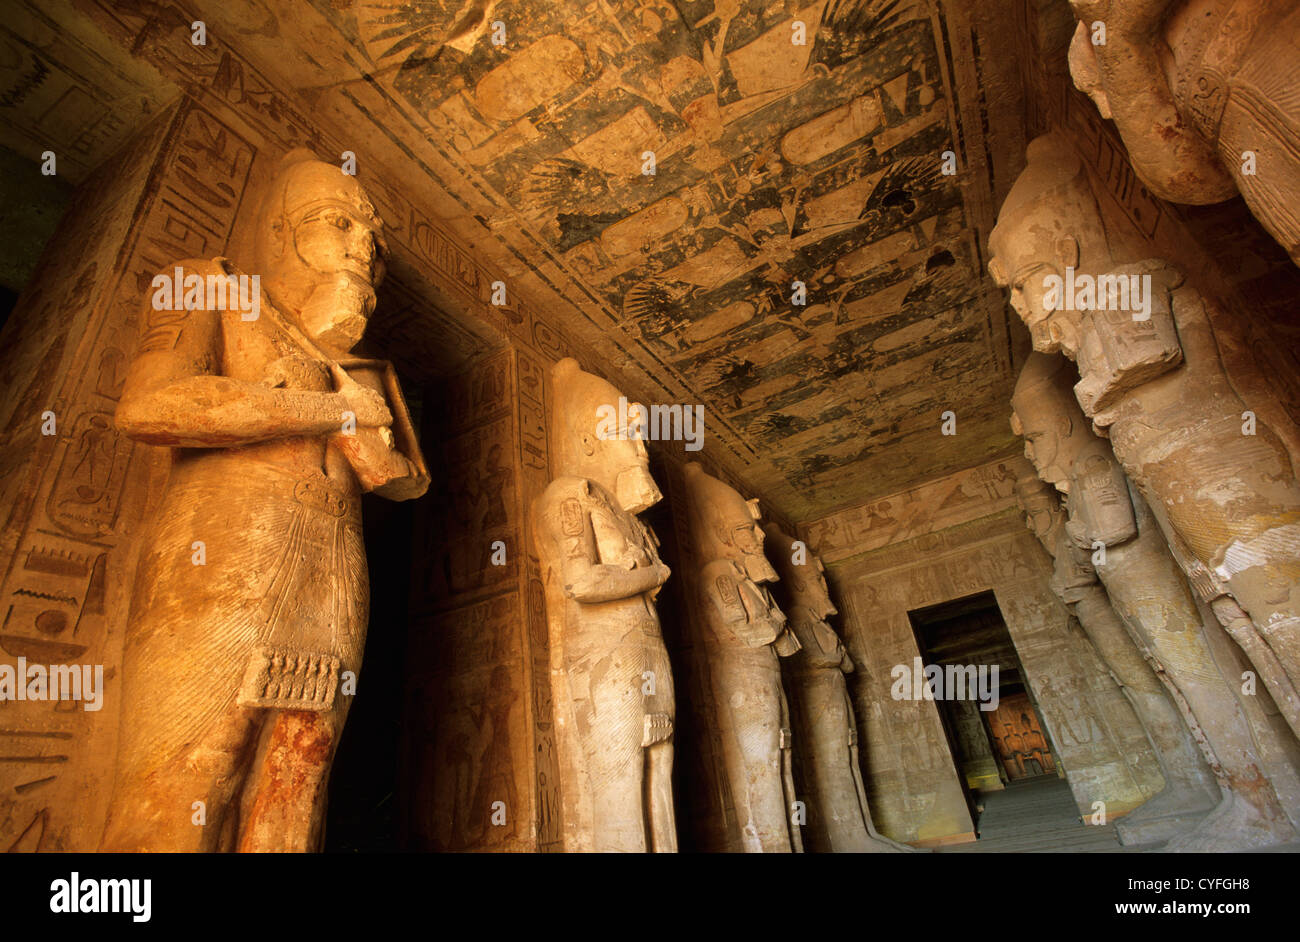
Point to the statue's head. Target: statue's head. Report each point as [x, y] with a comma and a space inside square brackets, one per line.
[802, 573]
[320, 249]
[1045, 414]
[1069, 455]
[1044, 514]
[724, 525]
[1048, 223]
[583, 446]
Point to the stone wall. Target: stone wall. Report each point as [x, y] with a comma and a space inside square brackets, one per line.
[913, 781]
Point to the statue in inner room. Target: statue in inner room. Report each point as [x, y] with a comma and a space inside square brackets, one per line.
[610, 677]
[1149, 594]
[1203, 94]
[839, 818]
[745, 633]
[252, 597]
[1219, 482]
[1190, 790]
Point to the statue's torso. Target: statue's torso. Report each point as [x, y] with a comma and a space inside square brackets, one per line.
[579, 516]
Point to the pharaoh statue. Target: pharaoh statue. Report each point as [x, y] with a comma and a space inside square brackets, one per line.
[744, 634]
[1203, 94]
[252, 596]
[1151, 597]
[839, 818]
[610, 678]
[1219, 483]
[1190, 790]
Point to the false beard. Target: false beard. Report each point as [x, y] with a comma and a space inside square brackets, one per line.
[336, 312]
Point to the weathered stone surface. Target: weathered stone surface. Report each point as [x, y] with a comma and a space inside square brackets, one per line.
[1190, 790]
[706, 211]
[1220, 483]
[1203, 94]
[744, 634]
[1149, 593]
[252, 601]
[826, 733]
[611, 680]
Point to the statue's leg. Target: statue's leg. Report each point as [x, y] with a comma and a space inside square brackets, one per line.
[787, 772]
[750, 717]
[184, 746]
[616, 761]
[288, 788]
[175, 796]
[663, 819]
[1240, 628]
[661, 706]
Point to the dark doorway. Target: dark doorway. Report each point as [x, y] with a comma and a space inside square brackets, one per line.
[991, 746]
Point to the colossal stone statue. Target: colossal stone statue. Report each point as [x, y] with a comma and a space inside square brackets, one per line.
[1190, 790]
[1203, 94]
[610, 677]
[252, 597]
[1219, 482]
[1150, 595]
[826, 733]
[745, 632]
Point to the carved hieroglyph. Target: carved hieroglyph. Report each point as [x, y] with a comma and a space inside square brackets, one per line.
[1203, 94]
[1190, 790]
[1150, 595]
[826, 733]
[252, 597]
[1219, 482]
[745, 631]
[611, 680]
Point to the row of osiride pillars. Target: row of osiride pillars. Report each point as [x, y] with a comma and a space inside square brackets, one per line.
[1173, 524]
[612, 682]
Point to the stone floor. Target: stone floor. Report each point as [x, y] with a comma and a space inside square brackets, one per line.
[1037, 816]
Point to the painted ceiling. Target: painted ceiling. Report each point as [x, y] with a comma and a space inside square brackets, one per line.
[687, 166]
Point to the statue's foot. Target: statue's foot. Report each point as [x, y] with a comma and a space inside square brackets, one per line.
[1235, 825]
[1172, 812]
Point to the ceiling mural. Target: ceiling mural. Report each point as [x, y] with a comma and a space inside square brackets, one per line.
[689, 165]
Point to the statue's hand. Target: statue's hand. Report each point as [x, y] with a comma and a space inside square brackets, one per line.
[366, 404]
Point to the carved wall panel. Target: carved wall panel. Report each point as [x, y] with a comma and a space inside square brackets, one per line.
[912, 779]
[74, 505]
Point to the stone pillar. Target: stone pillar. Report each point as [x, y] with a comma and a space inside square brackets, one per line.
[1190, 791]
[826, 731]
[480, 770]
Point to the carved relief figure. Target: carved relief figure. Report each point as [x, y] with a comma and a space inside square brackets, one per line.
[1224, 493]
[1190, 790]
[1202, 92]
[1151, 597]
[745, 632]
[252, 597]
[826, 733]
[611, 679]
